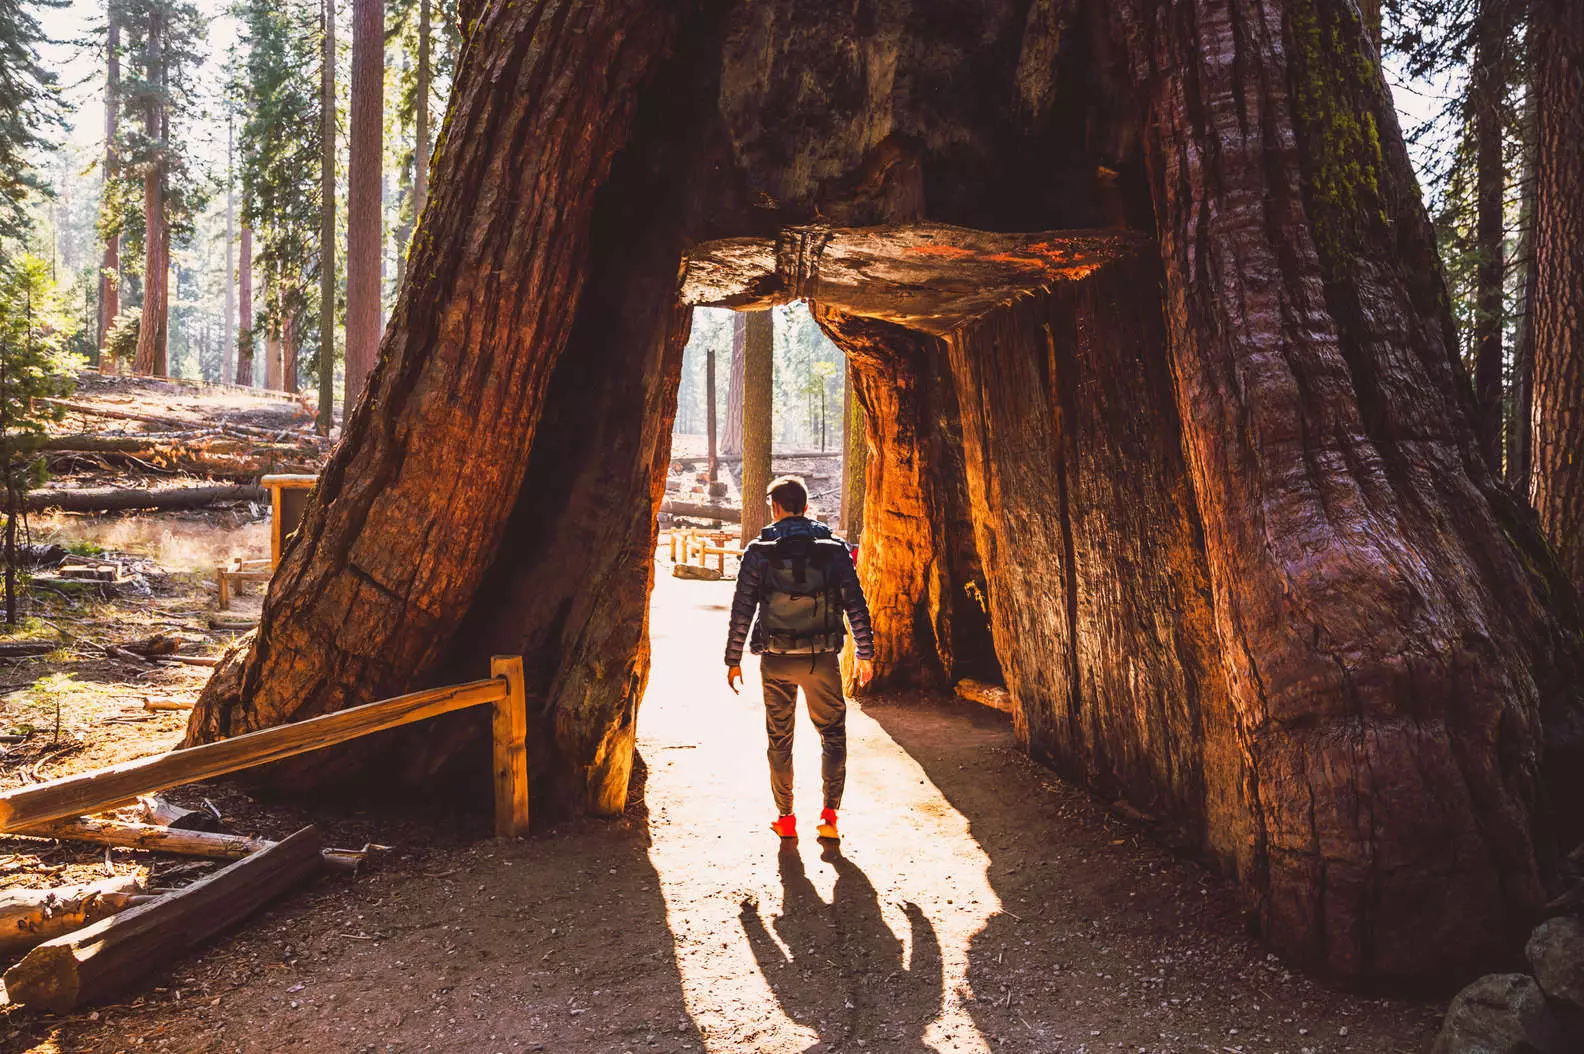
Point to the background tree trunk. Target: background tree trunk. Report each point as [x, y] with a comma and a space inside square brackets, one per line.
[327, 221]
[289, 343]
[421, 144]
[1488, 77]
[227, 342]
[731, 431]
[156, 244]
[757, 419]
[110, 264]
[1558, 306]
[855, 459]
[363, 196]
[244, 368]
[710, 415]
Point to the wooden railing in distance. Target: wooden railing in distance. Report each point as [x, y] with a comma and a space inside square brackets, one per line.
[90, 792]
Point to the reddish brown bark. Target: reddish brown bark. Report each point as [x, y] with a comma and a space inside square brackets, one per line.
[364, 158]
[1558, 304]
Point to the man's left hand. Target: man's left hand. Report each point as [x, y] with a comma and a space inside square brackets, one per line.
[734, 679]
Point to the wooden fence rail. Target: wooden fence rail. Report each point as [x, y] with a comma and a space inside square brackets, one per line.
[101, 789]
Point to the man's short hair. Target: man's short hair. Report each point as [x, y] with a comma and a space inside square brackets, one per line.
[790, 493]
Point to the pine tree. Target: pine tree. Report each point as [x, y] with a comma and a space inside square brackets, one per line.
[28, 108]
[280, 170]
[364, 195]
[33, 330]
[161, 38]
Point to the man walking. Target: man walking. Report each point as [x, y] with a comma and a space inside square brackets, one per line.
[801, 581]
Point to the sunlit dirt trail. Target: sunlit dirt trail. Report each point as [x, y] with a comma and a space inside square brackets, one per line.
[977, 904]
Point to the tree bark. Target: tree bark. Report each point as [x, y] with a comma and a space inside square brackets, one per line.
[289, 342]
[156, 239]
[1359, 555]
[244, 368]
[364, 187]
[1487, 86]
[110, 263]
[731, 430]
[327, 220]
[1558, 261]
[757, 419]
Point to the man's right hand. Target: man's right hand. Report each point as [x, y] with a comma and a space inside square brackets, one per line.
[863, 671]
[734, 678]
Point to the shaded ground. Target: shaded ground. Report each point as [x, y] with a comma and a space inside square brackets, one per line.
[978, 905]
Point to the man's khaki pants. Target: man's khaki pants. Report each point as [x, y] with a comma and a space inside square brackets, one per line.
[819, 675]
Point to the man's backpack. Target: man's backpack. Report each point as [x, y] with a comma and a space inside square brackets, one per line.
[800, 605]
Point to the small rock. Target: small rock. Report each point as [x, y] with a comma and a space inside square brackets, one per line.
[1556, 955]
[1501, 1013]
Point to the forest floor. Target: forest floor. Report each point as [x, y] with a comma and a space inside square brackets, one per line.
[977, 903]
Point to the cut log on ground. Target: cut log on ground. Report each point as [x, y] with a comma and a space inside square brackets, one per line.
[210, 452]
[29, 917]
[100, 960]
[22, 649]
[115, 499]
[724, 513]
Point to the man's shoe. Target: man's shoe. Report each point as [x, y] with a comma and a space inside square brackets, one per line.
[786, 826]
[827, 826]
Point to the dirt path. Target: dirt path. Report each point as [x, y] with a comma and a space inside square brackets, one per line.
[978, 904]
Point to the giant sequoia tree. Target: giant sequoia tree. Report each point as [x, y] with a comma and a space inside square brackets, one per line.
[1206, 492]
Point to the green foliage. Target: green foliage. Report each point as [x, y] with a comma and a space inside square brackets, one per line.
[121, 341]
[279, 143]
[28, 106]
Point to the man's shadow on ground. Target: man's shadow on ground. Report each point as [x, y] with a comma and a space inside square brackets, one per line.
[844, 974]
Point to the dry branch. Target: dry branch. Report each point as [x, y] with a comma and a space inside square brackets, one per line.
[107, 957]
[32, 916]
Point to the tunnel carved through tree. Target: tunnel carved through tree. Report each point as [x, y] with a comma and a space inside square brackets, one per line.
[1213, 508]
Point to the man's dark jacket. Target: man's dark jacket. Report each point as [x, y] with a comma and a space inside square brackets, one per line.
[750, 577]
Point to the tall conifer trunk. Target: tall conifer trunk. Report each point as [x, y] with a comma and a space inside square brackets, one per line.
[364, 243]
[1486, 90]
[156, 235]
[110, 263]
[757, 419]
[1558, 260]
[245, 336]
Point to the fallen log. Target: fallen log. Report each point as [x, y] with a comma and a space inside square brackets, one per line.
[206, 845]
[113, 499]
[210, 453]
[23, 649]
[724, 513]
[174, 423]
[29, 917]
[105, 958]
[992, 695]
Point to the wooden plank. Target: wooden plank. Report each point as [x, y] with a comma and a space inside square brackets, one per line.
[511, 749]
[275, 527]
[100, 960]
[91, 792]
[289, 480]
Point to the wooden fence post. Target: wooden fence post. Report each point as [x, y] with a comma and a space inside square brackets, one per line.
[511, 749]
